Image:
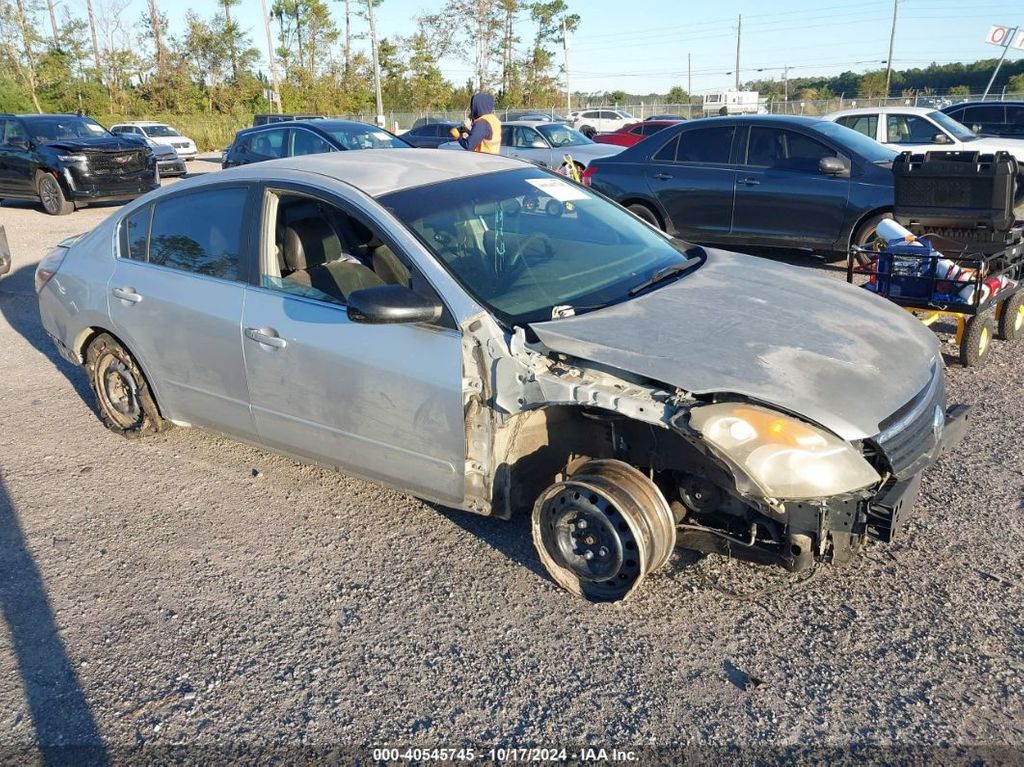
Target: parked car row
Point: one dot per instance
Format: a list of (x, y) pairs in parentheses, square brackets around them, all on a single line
[(504, 340)]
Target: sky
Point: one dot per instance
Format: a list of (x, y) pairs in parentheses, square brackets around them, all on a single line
[(642, 46)]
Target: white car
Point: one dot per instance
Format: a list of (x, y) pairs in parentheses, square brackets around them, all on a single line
[(592, 121), (160, 133), (921, 129)]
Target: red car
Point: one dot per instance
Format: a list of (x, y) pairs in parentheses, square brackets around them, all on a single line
[(633, 133)]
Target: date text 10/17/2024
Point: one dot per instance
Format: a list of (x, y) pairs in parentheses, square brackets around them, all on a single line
[(503, 754)]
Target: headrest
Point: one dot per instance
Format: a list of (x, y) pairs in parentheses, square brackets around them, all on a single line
[(306, 243)]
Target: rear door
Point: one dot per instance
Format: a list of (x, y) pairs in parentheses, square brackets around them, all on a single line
[(781, 197), (694, 180), (175, 298), (17, 162)]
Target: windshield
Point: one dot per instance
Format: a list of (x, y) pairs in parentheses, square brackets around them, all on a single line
[(160, 131), (958, 130), (523, 242), (866, 147), (562, 135), (49, 128), (358, 137)]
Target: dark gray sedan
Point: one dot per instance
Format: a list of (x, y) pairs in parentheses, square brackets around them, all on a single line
[(492, 337)]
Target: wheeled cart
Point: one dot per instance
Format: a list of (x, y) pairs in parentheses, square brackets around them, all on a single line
[(955, 249)]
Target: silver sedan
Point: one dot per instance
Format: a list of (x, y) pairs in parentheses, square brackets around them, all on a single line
[(492, 337)]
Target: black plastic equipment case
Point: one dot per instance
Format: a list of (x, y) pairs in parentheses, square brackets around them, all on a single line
[(967, 196)]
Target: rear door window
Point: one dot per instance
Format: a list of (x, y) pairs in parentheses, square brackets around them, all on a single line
[(200, 232), (269, 144), (705, 145), (866, 124)]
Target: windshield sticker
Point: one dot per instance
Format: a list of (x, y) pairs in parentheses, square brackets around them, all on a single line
[(559, 190)]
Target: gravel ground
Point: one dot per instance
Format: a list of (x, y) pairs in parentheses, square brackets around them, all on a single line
[(186, 589)]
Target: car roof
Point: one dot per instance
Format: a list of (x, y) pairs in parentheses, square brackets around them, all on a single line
[(884, 111), (381, 171), (984, 103), (532, 123), (142, 123), (319, 124)]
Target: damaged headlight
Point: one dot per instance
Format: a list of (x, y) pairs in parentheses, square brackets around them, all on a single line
[(785, 458)]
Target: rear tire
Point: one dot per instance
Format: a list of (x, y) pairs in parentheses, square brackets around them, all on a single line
[(123, 397), (1011, 317), (644, 212), (865, 236), (51, 195), (977, 341)]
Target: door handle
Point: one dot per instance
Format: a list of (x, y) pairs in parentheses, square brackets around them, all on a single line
[(127, 294), (749, 181), (266, 336), (663, 176)]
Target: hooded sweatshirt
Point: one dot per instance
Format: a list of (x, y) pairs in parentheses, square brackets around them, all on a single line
[(485, 134)]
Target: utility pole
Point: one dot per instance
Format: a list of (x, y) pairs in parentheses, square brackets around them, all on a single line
[(739, 30), (689, 78), (273, 59), (565, 53), (892, 42), (785, 83), (1010, 37), (376, 62), (348, 41)]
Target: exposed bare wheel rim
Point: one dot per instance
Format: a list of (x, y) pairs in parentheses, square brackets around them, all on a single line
[(602, 530), (118, 391)]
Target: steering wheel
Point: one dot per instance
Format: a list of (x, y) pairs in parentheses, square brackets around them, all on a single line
[(517, 254)]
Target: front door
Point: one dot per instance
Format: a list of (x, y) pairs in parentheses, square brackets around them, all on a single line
[(17, 168), (175, 298), (781, 197), (380, 401)]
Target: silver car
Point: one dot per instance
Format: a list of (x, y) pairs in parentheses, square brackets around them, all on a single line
[(495, 338), (548, 144)]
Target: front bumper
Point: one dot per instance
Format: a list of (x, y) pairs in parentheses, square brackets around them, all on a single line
[(174, 167)]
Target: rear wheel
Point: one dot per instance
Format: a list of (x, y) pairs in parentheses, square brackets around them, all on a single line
[(977, 340), (866, 236), (51, 195), (602, 530), (648, 215), (1011, 317), (125, 402)]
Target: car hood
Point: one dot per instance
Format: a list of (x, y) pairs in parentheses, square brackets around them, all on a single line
[(97, 144), (995, 144), (808, 344), (590, 151)]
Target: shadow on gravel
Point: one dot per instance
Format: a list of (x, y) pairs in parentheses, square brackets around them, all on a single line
[(511, 537), (65, 729), (19, 307)]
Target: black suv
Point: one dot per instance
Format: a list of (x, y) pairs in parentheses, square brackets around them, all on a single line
[(63, 159), (990, 118)]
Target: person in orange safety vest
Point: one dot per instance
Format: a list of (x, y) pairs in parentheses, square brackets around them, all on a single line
[(485, 133)]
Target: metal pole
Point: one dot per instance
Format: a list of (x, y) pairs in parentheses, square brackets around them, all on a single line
[(376, 62), (1009, 39), (565, 53), (892, 42), (273, 58), (689, 82), (739, 30)]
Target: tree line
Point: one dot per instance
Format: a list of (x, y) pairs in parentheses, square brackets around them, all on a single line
[(107, 62)]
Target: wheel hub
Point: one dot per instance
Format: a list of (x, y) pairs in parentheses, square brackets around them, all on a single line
[(587, 540)]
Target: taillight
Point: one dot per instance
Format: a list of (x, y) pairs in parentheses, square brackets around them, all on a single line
[(588, 174), (48, 266)]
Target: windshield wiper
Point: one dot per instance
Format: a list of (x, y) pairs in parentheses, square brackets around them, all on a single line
[(665, 273)]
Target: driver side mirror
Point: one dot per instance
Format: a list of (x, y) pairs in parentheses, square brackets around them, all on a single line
[(391, 304), (940, 138), (831, 166)]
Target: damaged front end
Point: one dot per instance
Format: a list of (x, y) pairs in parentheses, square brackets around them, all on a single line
[(619, 470)]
